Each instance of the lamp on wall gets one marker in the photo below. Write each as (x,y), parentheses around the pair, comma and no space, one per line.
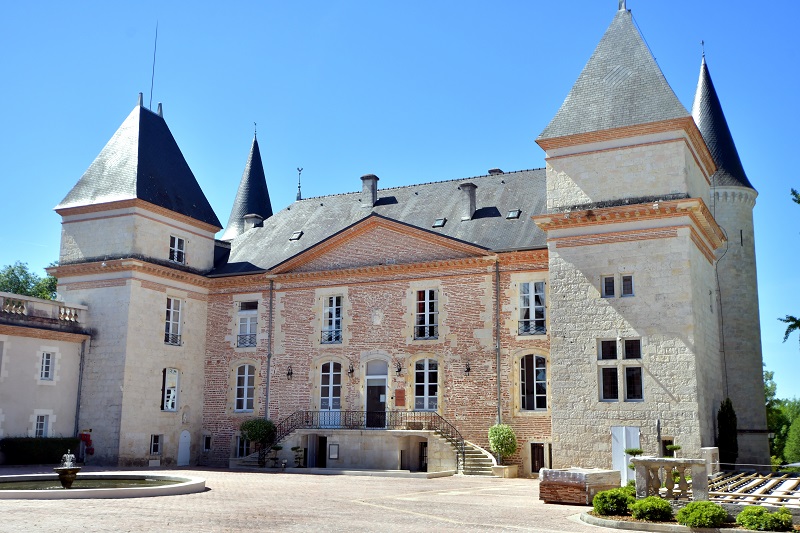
(467,369)
(289,372)
(350,370)
(398,368)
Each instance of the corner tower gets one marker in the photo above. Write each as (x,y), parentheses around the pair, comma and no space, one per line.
(732,200)
(137,235)
(252,197)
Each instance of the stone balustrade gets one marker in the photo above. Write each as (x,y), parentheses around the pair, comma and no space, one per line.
(656,476)
(20,307)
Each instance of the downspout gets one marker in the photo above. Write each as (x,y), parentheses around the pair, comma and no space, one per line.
(269,351)
(497,333)
(80,384)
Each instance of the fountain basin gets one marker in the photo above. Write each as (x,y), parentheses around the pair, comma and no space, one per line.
(103,485)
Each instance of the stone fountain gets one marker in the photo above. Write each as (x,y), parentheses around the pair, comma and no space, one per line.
(67,472)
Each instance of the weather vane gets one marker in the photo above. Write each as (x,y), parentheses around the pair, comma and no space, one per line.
(299,171)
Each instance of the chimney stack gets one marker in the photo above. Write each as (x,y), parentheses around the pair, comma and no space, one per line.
(253,221)
(369,190)
(468,191)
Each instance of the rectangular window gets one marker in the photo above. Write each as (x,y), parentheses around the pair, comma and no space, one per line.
(242,447)
(427,314)
(633,349)
(46,371)
(206,443)
(608,350)
(607,286)
(155,444)
(41,430)
(172,325)
(627,285)
(532,309)
(169,389)
(533,382)
(248,325)
(426,385)
(633,384)
(177,250)
(609,388)
(332,320)
(245,388)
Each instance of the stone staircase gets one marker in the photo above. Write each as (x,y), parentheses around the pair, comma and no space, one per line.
(477,461)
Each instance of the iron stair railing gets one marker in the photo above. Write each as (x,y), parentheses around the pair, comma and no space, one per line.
(370,420)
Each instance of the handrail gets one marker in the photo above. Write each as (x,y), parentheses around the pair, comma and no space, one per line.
(371,420)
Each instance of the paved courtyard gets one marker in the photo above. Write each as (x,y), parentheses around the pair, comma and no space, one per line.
(272,501)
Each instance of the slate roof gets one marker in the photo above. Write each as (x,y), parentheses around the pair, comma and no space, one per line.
(419,205)
(710,120)
(252,196)
(142,160)
(621,85)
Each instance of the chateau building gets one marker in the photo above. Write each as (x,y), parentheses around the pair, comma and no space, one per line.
(603,302)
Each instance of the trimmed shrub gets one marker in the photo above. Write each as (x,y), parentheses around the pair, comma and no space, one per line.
(502,440)
(37,450)
(258,430)
(614,502)
(759,519)
(702,514)
(652,509)
(727,435)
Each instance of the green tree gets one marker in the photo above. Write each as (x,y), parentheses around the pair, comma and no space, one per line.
(18,278)
(776,418)
(791,451)
(727,440)
(791,321)
(502,441)
(789,411)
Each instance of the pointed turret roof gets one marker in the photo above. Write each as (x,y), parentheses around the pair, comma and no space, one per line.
(252,196)
(708,115)
(142,160)
(621,85)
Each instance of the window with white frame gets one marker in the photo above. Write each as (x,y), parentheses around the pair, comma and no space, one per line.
(169,389)
(46,369)
(177,249)
(427,314)
(245,388)
(332,320)
(42,427)
(532,309)
(172,324)
(426,385)
(607,286)
(533,383)
(248,325)
(620,378)
(330,386)
(156,442)
(627,285)
(242,446)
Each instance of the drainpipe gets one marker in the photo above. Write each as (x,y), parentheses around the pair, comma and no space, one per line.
(497,333)
(80,384)
(269,351)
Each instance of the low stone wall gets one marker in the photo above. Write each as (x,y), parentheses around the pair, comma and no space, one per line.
(575,485)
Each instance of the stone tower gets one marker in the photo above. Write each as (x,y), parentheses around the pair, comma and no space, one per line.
(632,244)
(731,201)
(137,235)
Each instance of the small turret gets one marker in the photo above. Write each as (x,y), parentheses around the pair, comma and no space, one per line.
(252,198)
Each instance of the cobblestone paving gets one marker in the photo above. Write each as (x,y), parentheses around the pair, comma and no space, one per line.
(271,501)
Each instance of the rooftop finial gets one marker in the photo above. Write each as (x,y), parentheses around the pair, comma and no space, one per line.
(703,46)
(140,102)
(255,129)
(299,171)
(622,6)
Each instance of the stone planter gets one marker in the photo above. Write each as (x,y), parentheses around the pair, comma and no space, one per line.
(504,471)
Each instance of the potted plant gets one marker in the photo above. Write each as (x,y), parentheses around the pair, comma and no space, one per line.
(274,457)
(503,442)
(261,432)
(673,448)
(298,456)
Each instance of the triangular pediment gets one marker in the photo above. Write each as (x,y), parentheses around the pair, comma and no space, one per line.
(376,241)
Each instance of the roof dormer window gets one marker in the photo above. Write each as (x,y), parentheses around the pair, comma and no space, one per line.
(177,250)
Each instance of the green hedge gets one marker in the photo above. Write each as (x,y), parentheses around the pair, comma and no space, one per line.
(702,514)
(36,451)
(759,519)
(652,509)
(614,502)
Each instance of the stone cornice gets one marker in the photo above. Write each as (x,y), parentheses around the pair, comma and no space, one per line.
(114,266)
(390,270)
(42,333)
(136,202)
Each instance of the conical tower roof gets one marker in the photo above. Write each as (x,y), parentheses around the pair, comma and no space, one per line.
(710,120)
(252,196)
(142,160)
(621,85)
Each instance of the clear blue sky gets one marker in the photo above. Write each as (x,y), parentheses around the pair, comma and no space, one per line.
(412,91)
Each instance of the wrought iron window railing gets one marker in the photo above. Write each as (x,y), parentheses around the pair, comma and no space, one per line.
(331,336)
(172,338)
(246,341)
(532,327)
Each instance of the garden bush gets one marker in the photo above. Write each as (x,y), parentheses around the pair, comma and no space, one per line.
(502,440)
(759,519)
(614,502)
(652,509)
(702,514)
(37,450)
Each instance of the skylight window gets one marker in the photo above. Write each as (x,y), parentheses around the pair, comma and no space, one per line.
(439,222)
(296,236)
(514,213)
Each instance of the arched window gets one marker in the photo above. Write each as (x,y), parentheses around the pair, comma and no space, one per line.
(426,385)
(245,388)
(330,387)
(533,382)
